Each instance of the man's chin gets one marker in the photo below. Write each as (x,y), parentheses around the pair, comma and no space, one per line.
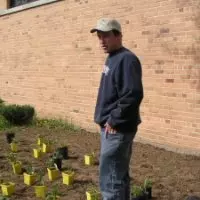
(105,51)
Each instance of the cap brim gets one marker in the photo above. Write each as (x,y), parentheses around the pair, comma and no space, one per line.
(93,30)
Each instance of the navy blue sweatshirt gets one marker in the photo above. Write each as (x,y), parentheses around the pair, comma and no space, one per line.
(120,92)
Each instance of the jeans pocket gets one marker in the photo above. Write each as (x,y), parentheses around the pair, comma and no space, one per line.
(116,136)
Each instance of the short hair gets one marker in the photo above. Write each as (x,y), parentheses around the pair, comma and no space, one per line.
(116,32)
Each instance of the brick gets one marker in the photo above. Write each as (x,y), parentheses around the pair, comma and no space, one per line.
(169,80)
(164,30)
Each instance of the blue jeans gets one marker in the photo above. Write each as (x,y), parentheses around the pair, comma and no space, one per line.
(116,150)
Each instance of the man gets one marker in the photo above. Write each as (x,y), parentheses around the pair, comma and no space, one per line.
(117,110)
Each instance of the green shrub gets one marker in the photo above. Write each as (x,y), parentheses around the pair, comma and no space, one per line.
(1,101)
(1,105)
(4,124)
(18,114)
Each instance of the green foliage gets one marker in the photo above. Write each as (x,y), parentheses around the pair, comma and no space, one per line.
(52,159)
(93,189)
(55,123)
(18,114)
(3,197)
(69,172)
(12,157)
(4,124)
(40,177)
(11,115)
(136,191)
(30,170)
(24,114)
(1,101)
(47,141)
(147,183)
(1,105)
(50,162)
(53,194)
(57,155)
(92,154)
(69,169)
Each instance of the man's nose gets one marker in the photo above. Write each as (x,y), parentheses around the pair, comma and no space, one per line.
(102,41)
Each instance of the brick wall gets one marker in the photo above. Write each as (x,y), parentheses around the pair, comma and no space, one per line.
(49,59)
(3,4)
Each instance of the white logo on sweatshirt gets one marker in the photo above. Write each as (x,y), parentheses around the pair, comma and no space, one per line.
(105,69)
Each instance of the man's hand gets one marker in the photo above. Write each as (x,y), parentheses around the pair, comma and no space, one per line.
(109,129)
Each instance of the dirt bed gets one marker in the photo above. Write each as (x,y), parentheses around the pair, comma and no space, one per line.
(174,176)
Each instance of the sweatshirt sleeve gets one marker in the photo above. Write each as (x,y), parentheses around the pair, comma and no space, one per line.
(128,79)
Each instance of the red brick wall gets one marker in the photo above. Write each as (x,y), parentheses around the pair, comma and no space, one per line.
(49,59)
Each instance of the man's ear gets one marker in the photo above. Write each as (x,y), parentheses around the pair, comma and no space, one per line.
(119,37)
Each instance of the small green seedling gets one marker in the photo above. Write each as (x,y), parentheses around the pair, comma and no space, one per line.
(3,197)
(147,183)
(12,157)
(40,177)
(137,191)
(93,189)
(53,194)
(30,170)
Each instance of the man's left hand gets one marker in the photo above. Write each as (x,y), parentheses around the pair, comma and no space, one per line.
(109,129)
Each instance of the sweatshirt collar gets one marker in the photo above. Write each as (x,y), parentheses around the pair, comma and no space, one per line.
(116,51)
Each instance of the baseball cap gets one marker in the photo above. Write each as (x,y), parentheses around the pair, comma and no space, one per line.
(106,24)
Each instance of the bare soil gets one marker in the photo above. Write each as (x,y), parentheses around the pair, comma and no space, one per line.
(174,176)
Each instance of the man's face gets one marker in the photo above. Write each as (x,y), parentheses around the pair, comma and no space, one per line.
(108,41)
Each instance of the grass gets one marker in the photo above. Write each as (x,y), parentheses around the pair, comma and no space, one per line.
(37,122)
(55,124)
(42,123)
